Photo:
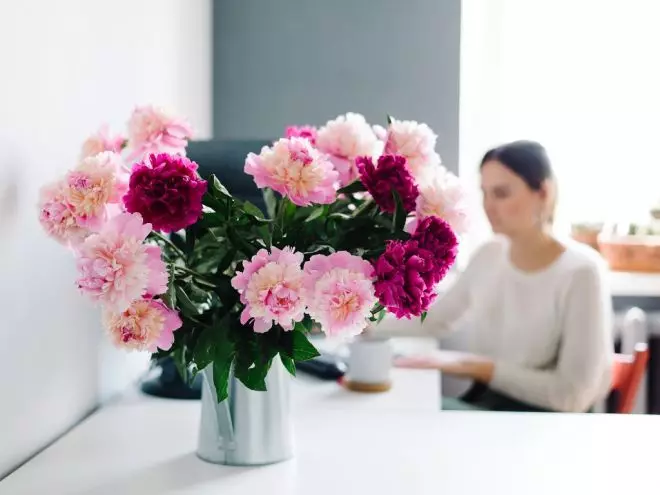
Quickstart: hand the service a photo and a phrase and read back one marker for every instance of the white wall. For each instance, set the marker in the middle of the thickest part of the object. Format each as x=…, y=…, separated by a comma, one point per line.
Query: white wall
x=66, y=66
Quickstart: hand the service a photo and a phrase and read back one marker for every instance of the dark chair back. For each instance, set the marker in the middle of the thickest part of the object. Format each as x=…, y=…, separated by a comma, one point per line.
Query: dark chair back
x=226, y=159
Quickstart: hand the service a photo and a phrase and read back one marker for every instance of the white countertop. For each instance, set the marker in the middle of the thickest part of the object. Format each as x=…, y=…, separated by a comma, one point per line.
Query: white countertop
x=350, y=443
x=146, y=447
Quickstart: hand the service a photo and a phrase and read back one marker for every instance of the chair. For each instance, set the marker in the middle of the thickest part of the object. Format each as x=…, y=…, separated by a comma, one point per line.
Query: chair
x=627, y=374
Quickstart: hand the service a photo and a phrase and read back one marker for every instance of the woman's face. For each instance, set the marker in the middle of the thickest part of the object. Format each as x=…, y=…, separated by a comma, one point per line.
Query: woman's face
x=512, y=207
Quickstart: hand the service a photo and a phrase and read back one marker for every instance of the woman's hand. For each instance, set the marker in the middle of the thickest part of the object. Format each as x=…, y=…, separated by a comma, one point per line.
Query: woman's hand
x=461, y=364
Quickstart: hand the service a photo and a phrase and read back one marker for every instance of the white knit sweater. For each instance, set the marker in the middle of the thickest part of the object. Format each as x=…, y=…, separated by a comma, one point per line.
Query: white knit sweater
x=548, y=332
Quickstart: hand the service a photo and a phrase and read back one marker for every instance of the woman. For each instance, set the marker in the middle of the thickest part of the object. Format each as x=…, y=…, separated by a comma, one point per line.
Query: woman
x=539, y=308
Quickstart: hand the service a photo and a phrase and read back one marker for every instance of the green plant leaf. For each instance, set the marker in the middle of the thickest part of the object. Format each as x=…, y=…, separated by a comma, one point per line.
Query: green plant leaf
x=240, y=243
x=288, y=363
x=353, y=187
x=222, y=362
x=271, y=202
x=400, y=214
x=191, y=237
x=212, y=219
x=390, y=119
x=226, y=260
x=170, y=296
x=302, y=348
x=219, y=190
x=424, y=316
x=186, y=304
x=317, y=213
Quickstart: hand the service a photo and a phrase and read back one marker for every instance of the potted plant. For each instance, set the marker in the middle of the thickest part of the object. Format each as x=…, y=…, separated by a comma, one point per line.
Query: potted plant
x=361, y=221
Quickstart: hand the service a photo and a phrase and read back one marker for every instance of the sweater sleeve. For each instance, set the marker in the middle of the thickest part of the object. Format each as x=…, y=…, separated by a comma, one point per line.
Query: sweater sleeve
x=585, y=353
x=449, y=306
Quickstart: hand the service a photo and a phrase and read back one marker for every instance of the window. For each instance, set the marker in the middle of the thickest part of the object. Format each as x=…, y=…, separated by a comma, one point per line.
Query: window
x=580, y=76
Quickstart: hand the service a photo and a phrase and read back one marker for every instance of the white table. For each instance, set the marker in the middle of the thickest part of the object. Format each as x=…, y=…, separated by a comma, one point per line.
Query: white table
x=146, y=447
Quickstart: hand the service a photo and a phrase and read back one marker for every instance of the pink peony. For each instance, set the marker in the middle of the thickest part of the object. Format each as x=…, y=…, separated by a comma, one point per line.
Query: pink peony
x=435, y=235
x=98, y=181
x=152, y=130
x=344, y=139
x=57, y=217
x=405, y=277
x=305, y=131
x=167, y=191
x=444, y=196
x=101, y=141
x=390, y=175
x=416, y=142
x=115, y=265
x=145, y=325
x=339, y=292
x=271, y=287
x=295, y=169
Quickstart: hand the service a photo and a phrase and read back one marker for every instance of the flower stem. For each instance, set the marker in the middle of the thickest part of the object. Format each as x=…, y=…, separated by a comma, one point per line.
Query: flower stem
x=167, y=241
x=200, y=276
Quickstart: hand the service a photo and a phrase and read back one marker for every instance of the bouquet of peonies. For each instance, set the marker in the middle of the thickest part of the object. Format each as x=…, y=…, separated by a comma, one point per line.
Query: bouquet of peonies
x=361, y=221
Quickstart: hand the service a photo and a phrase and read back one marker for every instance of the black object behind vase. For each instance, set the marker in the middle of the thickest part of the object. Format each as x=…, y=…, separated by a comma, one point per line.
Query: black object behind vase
x=225, y=159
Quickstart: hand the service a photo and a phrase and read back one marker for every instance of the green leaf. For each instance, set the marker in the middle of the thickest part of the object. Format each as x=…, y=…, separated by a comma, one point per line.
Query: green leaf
x=390, y=119
x=423, y=316
x=218, y=188
x=221, y=379
x=205, y=347
x=191, y=235
x=323, y=249
x=170, y=296
x=240, y=243
x=316, y=213
x=178, y=356
x=212, y=219
x=400, y=214
x=255, y=377
x=252, y=209
x=353, y=187
x=186, y=304
x=226, y=260
x=222, y=361
x=288, y=363
x=302, y=349
x=271, y=202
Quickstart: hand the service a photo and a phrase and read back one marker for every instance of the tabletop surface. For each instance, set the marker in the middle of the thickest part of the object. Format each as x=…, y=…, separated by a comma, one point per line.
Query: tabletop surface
x=392, y=443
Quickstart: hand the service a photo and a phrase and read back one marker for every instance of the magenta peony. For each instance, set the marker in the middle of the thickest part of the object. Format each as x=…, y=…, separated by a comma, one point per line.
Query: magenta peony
x=339, y=292
x=435, y=235
x=390, y=175
x=115, y=265
x=147, y=324
x=305, y=131
x=295, y=169
x=404, y=279
x=167, y=191
x=270, y=286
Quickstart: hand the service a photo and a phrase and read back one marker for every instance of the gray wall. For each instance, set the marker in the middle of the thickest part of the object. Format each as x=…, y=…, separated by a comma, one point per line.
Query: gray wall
x=280, y=62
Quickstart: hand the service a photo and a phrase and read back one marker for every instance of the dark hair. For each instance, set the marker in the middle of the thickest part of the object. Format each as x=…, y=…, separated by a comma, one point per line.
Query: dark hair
x=526, y=159
x=529, y=161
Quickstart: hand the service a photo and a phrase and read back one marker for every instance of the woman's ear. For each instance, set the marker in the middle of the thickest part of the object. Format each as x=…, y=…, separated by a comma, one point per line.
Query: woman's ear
x=548, y=194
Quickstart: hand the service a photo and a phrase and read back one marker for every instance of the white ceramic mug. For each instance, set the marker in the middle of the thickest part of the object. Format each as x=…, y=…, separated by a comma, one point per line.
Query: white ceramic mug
x=370, y=360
